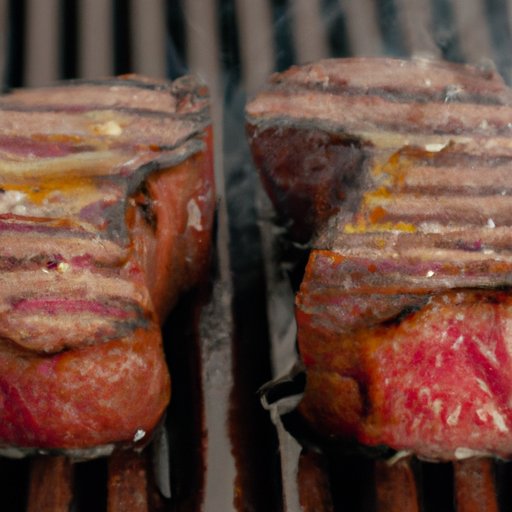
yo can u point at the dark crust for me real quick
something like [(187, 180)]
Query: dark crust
[(392, 94), (308, 173)]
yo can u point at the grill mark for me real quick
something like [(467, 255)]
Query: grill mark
[(441, 180), (59, 227), (65, 229), (50, 263), (455, 127), (402, 275), (121, 308), (390, 93), (402, 315), (498, 240), (445, 209)]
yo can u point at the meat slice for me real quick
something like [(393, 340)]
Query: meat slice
[(398, 173), (315, 130), (106, 208)]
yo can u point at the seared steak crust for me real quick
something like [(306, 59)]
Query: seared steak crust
[(404, 311)]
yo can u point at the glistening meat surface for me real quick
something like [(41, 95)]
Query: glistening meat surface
[(106, 208)]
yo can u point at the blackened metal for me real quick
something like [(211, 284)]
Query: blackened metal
[(122, 44), (144, 203), (230, 52), (15, 43), (14, 484), (90, 488), (176, 40), (497, 17), (285, 55), (68, 38), (391, 30), (185, 418), (444, 33), (252, 435), (436, 488), (336, 27)]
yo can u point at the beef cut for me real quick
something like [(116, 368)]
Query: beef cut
[(399, 174), (106, 207)]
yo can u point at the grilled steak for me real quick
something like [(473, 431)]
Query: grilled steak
[(400, 173), (106, 206)]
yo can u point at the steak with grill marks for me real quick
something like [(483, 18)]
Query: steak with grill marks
[(399, 173), (106, 207)]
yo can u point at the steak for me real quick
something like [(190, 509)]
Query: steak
[(398, 174), (106, 208)]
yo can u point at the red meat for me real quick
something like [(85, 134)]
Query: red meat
[(398, 173), (106, 207)]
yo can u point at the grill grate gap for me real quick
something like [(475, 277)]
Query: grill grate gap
[(352, 482), (503, 473), (90, 488), (14, 484)]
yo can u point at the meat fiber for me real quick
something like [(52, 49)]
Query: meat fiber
[(106, 207), (399, 173)]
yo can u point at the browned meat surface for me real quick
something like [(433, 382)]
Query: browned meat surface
[(106, 207), (399, 173)]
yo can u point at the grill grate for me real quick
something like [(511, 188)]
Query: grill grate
[(234, 45), (56, 484), (129, 486), (408, 485)]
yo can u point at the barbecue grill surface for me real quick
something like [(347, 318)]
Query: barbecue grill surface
[(229, 338)]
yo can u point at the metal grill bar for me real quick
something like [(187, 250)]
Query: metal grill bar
[(95, 47), (256, 42), (51, 485), (129, 481), (415, 17), (308, 31), (362, 27), (42, 42), (471, 24), (148, 37), (475, 489), (395, 487)]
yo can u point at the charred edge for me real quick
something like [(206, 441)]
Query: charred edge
[(144, 203), (404, 314), (391, 94), (361, 379), (496, 295), (115, 214), (308, 172), (133, 308), (166, 157)]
